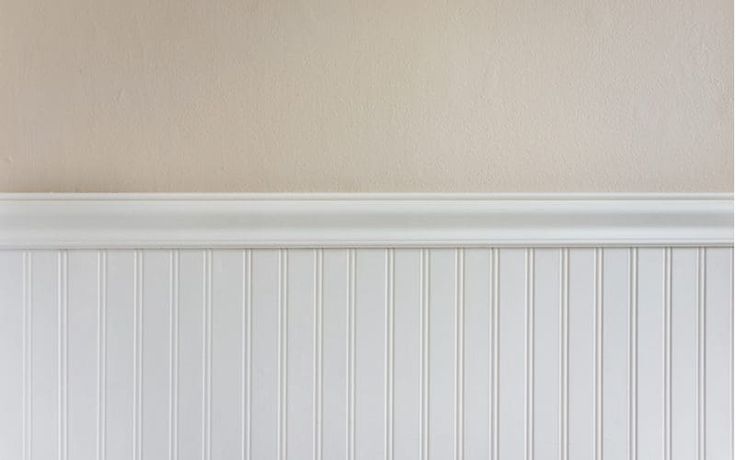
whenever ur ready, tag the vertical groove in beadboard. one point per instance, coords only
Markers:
(137, 351)
(599, 353)
(27, 353)
(633, 351)
(318, 345)
(422, 434)
(701, 355)
(63, 351)
(59, 359)
(731, 358)
(283, 354)
(205, 295)
(426, 269)
(247, 364)
(564, 350)
(459, 351)
(207, 361)
(139, 358)
(210, 287)
(495, 286)
(667, 353)
(390, 265)
(422, 350)
(529, 356)
(351, 355)
(101, 353)
(174, 355)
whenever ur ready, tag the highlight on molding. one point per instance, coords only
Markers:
(30, 220)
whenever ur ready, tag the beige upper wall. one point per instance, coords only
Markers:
(357, 95)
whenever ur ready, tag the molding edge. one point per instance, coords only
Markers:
(77, 221)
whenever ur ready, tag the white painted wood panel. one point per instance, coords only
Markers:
(118, 304)
(47, 386)
(718, 353)
(14, 353)
(369, 355)
(513, 398)
(547, 354)
(425, 353)
(652, 352)
(302, 367)
(407, 363)
(581, 353)
(335, 353)
(685, 281)
(83, 353)
(228, 301)
(189, 388)
(154, 335)
(267, 429)
(477, 365)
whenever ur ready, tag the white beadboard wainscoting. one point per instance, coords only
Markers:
(350, 337)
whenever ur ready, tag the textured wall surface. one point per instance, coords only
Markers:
(367, 354)
(328, 95)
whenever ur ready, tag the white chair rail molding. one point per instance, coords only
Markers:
(364, 327)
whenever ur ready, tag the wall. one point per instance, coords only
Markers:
(294, 353)
(468, 95)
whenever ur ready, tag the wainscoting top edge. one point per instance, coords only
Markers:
(74, 221)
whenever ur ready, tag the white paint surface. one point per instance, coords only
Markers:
(368, 353)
